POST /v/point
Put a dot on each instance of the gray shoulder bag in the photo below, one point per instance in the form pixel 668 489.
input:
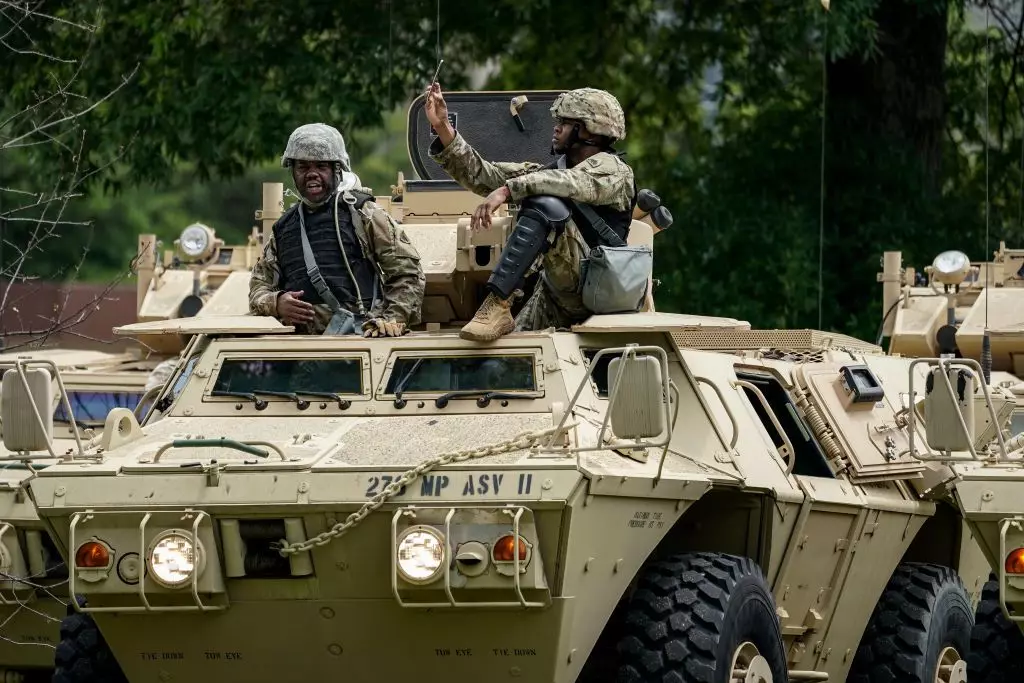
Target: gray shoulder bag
pixel 614 276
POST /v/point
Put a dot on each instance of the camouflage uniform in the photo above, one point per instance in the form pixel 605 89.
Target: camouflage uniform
pixel 382 241
pixel 603 179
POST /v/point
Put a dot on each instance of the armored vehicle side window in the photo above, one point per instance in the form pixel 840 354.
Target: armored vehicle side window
pixel 328 375
pixel 810 459
pixel 1017 422
pixel 92 407
pixel 463 373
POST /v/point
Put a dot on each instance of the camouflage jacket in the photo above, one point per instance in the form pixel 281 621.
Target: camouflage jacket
pixel 603 179
pixel 385 244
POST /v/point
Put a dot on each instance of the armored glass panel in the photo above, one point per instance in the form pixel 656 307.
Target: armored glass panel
pixel 1017 422
pixel 182 379
pixel 93 406
pixel 463 373
pixel 332 375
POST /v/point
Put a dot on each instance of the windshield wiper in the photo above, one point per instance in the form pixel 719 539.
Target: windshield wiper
pixel 257 401
pixel 483 401
pixel 302 405
pixel 293 395
pixel 343 403
pixel 400 387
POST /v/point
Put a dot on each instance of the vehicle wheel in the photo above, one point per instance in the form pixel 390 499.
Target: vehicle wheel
pixel 997 645
pixel 920 631
pixel 697 618
pixel 82 654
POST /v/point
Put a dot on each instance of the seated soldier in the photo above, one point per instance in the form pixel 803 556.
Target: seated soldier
pixel 331 271
pixel 587 123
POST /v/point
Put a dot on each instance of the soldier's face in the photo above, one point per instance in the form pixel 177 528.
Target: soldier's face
pixel 313 179
pixel 562 132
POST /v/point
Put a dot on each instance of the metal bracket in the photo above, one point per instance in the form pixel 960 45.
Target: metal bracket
pixel 516 512
pixel 946 364
pixel 198 604
pixel 1004 526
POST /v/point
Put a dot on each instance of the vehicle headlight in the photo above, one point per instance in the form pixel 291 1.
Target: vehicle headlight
pixel 421 554
pixel 173 559
pixel 195 240
pixel 951 267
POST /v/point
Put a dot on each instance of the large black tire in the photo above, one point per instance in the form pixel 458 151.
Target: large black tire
pixel 923 610
pixel 83 656
pixel 997 645
pixel 689 615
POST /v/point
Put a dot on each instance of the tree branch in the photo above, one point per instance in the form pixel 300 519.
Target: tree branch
pixel 78 114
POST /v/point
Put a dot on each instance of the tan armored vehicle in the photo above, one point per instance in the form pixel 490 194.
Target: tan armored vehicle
pixel 33 594
pixel 647 497
pixel 200 275
pixel 949 307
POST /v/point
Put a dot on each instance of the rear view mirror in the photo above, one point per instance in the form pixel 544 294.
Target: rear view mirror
pixel 638 406
pixel 942 412
pixel 23 430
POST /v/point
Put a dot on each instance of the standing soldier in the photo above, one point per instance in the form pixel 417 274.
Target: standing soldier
pixel 587 123
pixel 331 271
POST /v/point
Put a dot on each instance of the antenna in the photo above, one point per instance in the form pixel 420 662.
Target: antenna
pixel 986 340
pixel 437 25
pixel 821 189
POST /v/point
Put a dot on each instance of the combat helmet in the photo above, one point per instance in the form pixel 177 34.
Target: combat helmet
pixel 316 142
pixel 597 109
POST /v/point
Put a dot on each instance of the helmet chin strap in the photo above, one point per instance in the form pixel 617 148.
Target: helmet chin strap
pixel 575 139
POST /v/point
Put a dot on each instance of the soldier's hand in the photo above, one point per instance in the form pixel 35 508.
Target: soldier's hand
pixel 379 327
pixel 437 114
pixel 482 215
pixel 291 309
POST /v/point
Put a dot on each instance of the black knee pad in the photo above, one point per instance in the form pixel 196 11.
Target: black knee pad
pixel 538 216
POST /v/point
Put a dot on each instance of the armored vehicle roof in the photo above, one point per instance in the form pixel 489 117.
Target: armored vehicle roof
pixel 227 324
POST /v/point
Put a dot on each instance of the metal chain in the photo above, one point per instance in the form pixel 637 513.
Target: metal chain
pixel 519 442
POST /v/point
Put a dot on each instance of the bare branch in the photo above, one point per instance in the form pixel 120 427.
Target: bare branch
pixel 16 24
pixel 43 221
pixel 35 53
pixel 71 117
pixel 63 324
pixel 17 191
pixel 35 13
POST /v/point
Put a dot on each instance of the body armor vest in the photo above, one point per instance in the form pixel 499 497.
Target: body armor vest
pixel 323 240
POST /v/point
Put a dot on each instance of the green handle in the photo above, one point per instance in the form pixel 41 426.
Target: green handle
pixel 219 443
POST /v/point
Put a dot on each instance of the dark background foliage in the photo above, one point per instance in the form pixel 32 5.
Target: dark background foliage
pixel 740 116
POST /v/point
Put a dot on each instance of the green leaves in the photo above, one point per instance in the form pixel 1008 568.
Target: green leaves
pixel 723 105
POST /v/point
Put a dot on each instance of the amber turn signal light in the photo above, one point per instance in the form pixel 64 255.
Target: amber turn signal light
pixel 1015 561
pixel 92 555
pixel 504 549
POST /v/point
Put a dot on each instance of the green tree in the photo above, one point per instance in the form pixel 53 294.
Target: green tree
pixel 724 105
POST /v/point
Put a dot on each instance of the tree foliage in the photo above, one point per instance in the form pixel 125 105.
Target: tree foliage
pixel 791 143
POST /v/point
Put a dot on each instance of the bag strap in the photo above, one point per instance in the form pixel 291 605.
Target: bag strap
pixel 597 225
pixel 595 230
pixel 359 224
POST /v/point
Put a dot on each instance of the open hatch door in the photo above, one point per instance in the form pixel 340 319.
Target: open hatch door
pixel 860 419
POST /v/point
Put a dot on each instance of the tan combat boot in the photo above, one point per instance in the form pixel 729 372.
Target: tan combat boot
pixel 492 320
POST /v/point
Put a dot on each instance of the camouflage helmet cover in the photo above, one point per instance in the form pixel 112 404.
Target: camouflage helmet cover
pixel 597 109
pixel 316 142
